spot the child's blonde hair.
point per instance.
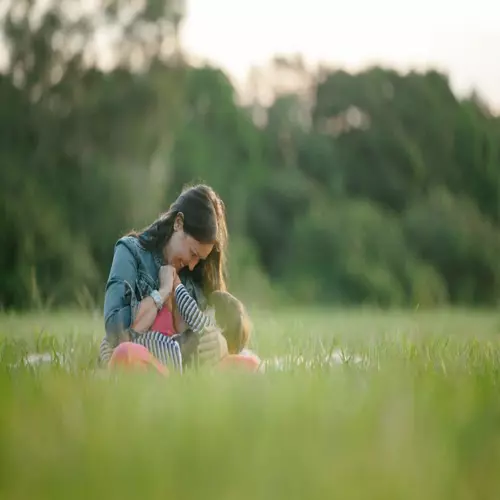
(231, 316)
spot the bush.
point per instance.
(351, 252)
(455, 238)
(247, 280)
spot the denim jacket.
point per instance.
(133, 276)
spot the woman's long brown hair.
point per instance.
(205, 220)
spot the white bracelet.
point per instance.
(155, 294)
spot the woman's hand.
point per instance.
(212, 346)
(166, 277)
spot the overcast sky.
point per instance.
(459, 37)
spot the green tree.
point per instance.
(76, 139)
(453, 236)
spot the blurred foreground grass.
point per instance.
(418, 417)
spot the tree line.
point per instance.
(376, 187)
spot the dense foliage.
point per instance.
(374, 187)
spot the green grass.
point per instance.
(418, 419)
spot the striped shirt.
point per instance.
(165, 349)
(192, 315)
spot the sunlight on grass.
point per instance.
(418, 419)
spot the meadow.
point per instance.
(352, 404)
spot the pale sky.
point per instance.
(460, 37)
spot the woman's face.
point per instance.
(183, 250)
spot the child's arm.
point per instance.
(189, 310)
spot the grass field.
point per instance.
(417, 418)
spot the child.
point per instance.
(225, 312)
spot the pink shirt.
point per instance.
(164, 322)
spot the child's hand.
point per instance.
(166, 278)
(177, 280)
(212, 346)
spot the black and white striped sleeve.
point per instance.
(190, 312)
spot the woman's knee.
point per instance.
(243, 362)
(128, 355)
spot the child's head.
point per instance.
(232, 318)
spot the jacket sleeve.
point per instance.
(120, 300)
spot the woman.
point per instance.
(189, 239)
